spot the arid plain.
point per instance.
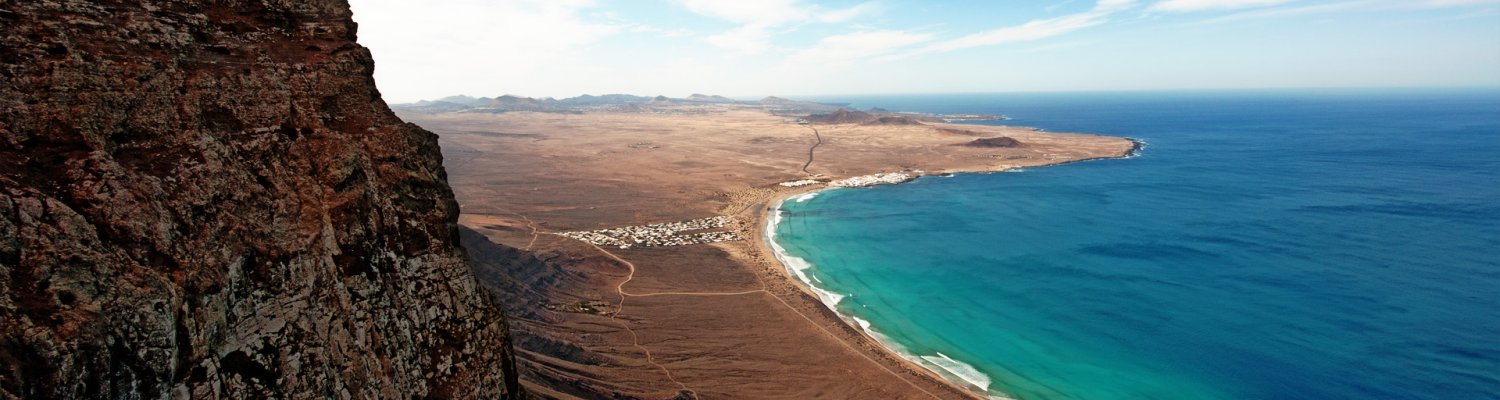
(719, 320)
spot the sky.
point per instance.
(753, 48)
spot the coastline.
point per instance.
(792, 268)
(584, 172)
(766, 217)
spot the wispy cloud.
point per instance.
(1283, 8)
(1036, 29)
(1209, 5)
(747, 12)
(638, 27)
(746, 39)
(1449, 3)
(1337, 6)
(761, 20)
(842, 51)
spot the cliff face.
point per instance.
(214, 201)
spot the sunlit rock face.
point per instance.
(213, 201)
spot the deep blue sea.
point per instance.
(1316, 244)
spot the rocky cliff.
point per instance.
(210, 199)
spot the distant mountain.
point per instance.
(893, 120)
(843, 116)
(777, 101)
(439, 106)
(518, 103)
(505, 103)
(703, 98)
(588, 100)
(462, 99)
(788, 106)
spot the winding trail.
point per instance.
(534, 231)
(636, 338)
(810, 149)
(620, 309)
(765, 288)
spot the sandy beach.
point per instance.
(609, 321)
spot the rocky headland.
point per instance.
(212, 201)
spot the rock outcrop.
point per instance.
(896, 120)
(842, 116)
(991, 142)
(210, 200)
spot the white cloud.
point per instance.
(1032, 30)
(747, 39)
(842, 51)
(758, 19)
(1338, 6)
(1208, 5)
(666, 33)
(436, 48)
(1280, 12)
(1452, 3)
(768, 12)
(844, 15)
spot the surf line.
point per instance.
(796, 266)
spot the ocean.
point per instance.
(1269, 244)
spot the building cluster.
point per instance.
(800, 183)
(656, 235)
(872, 180)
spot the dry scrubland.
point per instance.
(717, 320)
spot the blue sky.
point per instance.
(753, 48)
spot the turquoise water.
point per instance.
(1265, 245)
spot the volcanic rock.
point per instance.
(843, 116)
(894, 120)
(210, 200)
(998, 141)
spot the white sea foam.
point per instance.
(771, 226)
(885, 340)
(805, 197)
(1140, 145)
(829, 298)
(942, 364)
(960, 369)
(797, 265)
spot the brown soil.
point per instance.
(718, 320)
(958, 131)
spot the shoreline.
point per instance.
(592, 171)
(767, 215)
(770, 216)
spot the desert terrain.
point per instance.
(712, 320)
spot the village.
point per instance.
(872, 180)
(657, 235)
